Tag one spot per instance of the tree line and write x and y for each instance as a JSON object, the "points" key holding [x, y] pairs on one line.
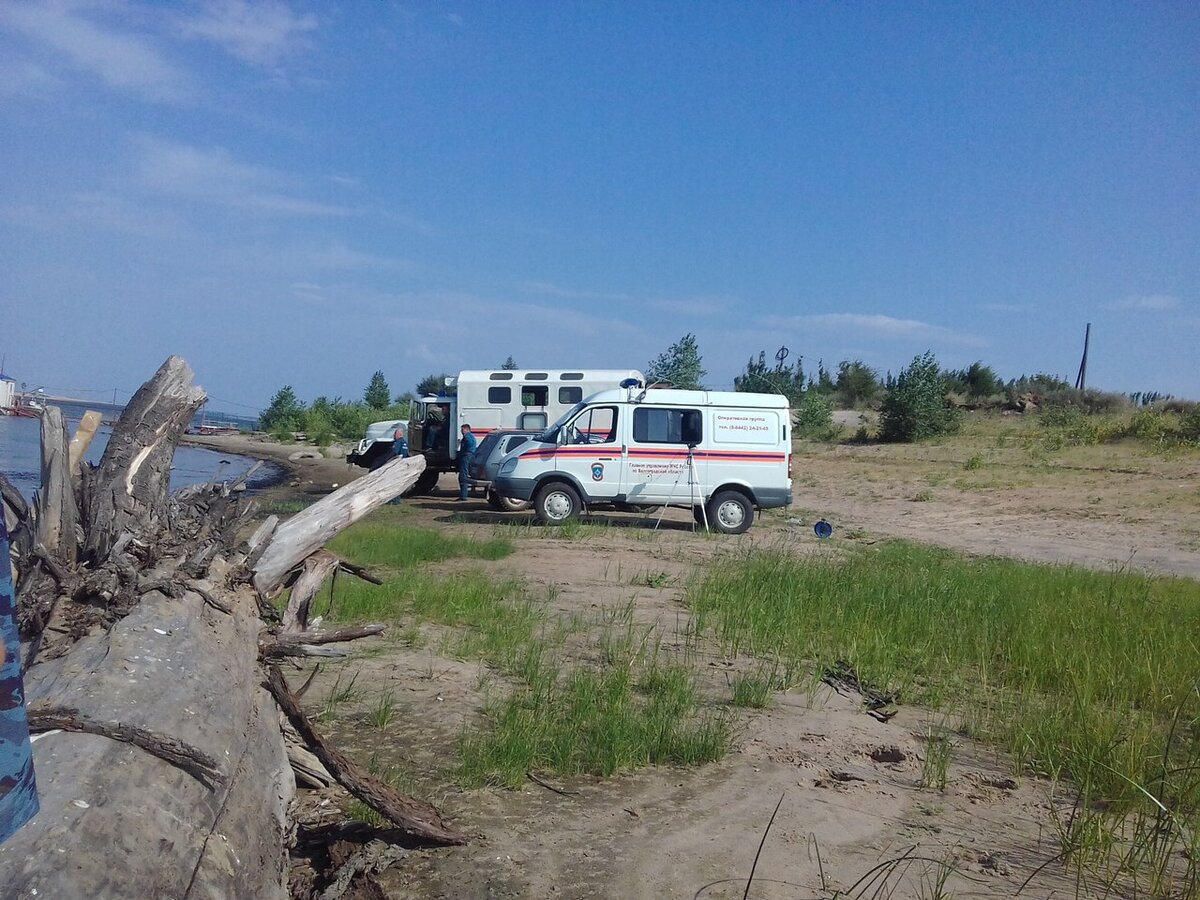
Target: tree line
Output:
{"points": [[922, 400]]}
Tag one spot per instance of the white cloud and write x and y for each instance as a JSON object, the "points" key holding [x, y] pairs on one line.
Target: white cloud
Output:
{"points": [[260, 33], [213, 175], [1147, 302], [548, 289], [874, 325], [121, 60], [692, 307], [19, 78]]}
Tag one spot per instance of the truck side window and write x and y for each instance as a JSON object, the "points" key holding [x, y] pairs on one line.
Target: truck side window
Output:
{"points": [[570, 395], [499, 395], [656, 425], [535, 395], [597, 425]]}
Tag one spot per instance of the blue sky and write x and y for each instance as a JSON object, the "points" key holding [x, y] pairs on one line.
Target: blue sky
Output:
{"points": [[305, 193]]}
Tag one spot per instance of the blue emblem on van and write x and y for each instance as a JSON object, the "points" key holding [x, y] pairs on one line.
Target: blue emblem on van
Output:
{"points": [[597, 471]]}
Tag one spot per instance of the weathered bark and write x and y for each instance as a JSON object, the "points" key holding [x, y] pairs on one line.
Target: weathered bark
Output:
{"points": [[313, 574], [311, 529], [56, 510], [133, 825], [301, 643], [128, 491], [195, 762], [417, 818]]}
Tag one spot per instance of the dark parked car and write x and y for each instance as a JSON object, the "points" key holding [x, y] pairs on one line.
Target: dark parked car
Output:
{"points": [[491, 452]]}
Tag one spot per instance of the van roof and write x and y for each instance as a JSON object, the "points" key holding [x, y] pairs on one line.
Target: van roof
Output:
{"points": [[672, 397]]}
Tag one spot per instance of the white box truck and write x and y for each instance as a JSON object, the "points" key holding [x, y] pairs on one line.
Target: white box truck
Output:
{"points": [[722, 454], [487, 400]]}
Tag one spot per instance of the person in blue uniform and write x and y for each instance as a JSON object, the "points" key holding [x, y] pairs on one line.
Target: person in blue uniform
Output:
{"points": [[466, 456], [18, 789], [399, 448]]}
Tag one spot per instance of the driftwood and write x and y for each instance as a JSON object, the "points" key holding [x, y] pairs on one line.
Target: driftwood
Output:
{"points": [[313, 573], [128, 492], [308, 531], [416, 818], [57, 512], [82, 439], [162, 765]]}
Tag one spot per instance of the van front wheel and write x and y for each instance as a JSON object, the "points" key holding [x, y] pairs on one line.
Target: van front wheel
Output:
{"points": [[556, 503], [730, 512]]}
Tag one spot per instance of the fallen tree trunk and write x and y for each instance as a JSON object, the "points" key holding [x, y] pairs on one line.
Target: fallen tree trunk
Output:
{"points": [[308, 531], [162, 764]]}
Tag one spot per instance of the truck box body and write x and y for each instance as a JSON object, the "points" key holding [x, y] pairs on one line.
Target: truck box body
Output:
{"points": [[487, 399]]}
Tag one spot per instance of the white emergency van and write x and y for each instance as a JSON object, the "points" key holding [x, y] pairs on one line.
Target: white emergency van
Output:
{"points": [[722, 454]]}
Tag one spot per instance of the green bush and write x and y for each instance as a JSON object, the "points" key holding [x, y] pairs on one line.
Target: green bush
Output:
{"points": [[914, 406], [814, 415], [1189, 426]]}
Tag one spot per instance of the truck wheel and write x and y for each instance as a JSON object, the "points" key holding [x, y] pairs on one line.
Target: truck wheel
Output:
{"points": [[730, 512], [556, 503], [425, 483], [506, 504]]}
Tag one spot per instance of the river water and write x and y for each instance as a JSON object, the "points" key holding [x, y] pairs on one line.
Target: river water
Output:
{"points": [[21, 454]]}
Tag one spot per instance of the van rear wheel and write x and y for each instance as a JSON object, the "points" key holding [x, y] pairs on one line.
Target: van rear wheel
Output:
{"points": [[556, 503], [730, 512]]}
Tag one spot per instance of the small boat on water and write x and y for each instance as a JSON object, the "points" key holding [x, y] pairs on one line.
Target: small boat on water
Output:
{"points": [[26, 407]]}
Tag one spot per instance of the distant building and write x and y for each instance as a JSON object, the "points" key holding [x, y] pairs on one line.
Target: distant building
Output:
{"points": [[8, 393]]}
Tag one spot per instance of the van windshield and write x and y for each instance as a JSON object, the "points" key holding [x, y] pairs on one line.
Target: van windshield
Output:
{"points": [[550, 435]]}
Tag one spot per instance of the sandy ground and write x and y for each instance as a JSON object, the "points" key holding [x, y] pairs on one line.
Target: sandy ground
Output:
{"points": [[850, 785]]}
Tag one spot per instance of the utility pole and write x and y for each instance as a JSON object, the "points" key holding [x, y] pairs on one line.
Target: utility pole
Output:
{"points": [[1081, 378]]}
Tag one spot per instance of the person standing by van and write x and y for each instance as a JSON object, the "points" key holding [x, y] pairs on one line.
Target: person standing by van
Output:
{"points": [[399, 448], [466, 457]]}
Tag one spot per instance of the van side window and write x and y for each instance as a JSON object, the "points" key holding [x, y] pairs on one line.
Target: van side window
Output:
{"points": [[571, 395], [499, 395], [597, 425], [535, 395], [656, 425]]}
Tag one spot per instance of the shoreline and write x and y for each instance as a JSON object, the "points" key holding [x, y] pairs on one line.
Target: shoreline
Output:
{"points": [[304, 477]]}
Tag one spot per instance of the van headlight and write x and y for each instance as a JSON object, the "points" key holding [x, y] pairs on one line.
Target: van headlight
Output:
{"points": [[508, 466]]}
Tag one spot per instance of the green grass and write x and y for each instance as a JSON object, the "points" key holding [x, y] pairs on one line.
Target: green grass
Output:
{"points": [[753, 691], [381, 543], [594, 721], [626, 713], [1087, 676]]}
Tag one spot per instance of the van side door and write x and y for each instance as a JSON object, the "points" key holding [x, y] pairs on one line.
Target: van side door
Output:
{"points": [[666, 462], [590, 450]]}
